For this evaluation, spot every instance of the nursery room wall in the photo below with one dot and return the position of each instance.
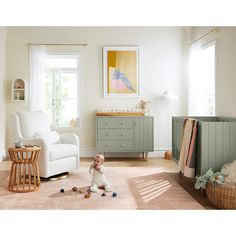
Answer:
(3, 34)
(226, 70)
(161, 63)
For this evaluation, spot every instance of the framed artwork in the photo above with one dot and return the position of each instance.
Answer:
(120, 71)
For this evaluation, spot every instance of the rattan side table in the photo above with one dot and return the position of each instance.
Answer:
(24, 176)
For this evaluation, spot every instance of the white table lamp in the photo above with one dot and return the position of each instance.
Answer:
(169, 96)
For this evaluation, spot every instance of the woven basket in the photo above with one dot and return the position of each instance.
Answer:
(222, 196)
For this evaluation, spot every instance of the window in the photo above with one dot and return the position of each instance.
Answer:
(62, 90)
(202, 81)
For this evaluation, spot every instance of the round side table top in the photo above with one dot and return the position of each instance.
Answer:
(26, 148)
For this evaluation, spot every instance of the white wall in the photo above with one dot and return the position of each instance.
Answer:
(227, 71)
(226, 68)
(2, 90)
(161, 68)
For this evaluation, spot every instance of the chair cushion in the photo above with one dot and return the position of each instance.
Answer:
(33, 121)
(59, 151)
(50, 137)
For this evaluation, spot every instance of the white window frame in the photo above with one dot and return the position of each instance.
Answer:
(78, 70)
(203, 46)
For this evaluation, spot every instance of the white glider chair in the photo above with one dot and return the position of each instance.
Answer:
(59, 154)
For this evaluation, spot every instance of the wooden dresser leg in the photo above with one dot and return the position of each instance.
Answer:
(143, 156)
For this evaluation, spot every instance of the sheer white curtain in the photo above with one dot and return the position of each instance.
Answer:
(202, 80)
(37, 73)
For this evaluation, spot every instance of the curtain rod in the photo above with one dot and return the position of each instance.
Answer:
(61, 44)
(203, 36)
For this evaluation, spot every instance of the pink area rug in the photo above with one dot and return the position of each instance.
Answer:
(136, 187)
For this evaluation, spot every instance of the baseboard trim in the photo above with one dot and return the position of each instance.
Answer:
(158, 152)
(3, 155)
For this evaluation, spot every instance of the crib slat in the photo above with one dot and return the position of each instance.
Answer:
(232, 141)
(212, 145)
(226, 142)
(219, 146)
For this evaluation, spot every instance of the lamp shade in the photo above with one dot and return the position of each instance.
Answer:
(169, 95)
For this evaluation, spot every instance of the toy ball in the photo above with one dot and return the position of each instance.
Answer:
(87, 195)
(103, 195)
(114, 194)
(74, 189)
(62, 190)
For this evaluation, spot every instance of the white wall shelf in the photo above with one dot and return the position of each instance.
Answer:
(19, 90)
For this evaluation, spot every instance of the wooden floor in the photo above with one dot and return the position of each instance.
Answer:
(166, 166)
(188, 185)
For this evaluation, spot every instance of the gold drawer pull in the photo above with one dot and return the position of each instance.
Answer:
(136, 122)
(122, 123)
(108, 144)
(122, 145)
(108, 123)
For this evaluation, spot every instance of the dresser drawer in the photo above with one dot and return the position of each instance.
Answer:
(104, 122)
(115, 133)
(115, 145)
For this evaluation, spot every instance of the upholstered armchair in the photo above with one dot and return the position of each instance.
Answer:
(60, 153)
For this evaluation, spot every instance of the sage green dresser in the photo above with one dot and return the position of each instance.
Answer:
(124, 134)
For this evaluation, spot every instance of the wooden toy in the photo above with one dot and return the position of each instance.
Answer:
(88, 195)
(74, 189)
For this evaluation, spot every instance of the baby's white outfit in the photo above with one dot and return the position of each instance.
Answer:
(98, 179)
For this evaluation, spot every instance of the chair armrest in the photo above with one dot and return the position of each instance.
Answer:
(70, 139)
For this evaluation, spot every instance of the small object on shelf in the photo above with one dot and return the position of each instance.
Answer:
(62, 190)
(17, 95)
(74, 189)
(103, 195)
(114, 194)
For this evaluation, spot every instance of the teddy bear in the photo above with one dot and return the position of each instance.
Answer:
(144, 106)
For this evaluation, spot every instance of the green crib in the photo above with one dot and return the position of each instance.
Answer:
(216, 141)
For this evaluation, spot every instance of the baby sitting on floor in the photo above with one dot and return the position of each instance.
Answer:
(98, 175)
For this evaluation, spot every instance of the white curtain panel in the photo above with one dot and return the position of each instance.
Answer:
(37, 74)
